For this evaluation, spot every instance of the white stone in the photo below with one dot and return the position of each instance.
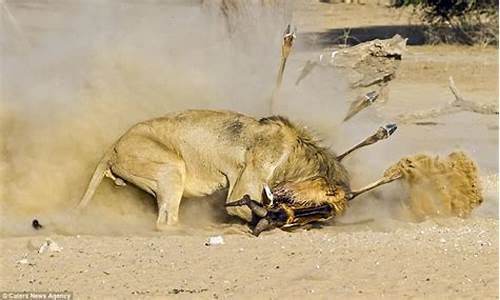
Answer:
(215, 240)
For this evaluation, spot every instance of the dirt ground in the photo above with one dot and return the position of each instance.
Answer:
(372, 252)
(446, 259)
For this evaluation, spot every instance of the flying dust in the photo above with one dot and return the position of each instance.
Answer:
(440, 187)
(76, 76)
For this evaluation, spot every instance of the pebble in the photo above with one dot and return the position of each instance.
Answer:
(214, 240)
(49, 246)
(23, 261)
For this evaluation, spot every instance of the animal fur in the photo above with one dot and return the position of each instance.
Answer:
(199, 152)
(311, 193)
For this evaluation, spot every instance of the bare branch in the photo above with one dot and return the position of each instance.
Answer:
(460, 101)
(457, 105)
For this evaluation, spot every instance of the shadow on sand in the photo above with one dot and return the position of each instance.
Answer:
(416, 34)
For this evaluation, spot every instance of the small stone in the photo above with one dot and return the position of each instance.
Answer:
(23, 261)
(49, 246)
(214, 240)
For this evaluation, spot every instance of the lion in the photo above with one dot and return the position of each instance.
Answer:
(200, 152)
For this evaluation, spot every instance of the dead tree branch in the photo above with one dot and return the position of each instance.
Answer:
(457, 105)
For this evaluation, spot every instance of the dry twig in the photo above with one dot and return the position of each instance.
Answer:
(457, 105)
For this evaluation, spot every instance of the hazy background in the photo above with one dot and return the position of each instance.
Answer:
(76, 74)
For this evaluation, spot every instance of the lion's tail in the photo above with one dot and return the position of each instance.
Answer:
(97, 177)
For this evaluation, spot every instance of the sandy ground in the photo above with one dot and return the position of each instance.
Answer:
(439, 259)
(370, 253)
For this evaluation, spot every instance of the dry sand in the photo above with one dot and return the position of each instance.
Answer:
(56, 125)
(438, 259)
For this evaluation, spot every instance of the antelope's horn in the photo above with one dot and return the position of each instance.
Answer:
(254, 206)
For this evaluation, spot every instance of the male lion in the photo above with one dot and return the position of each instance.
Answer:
(198, 152)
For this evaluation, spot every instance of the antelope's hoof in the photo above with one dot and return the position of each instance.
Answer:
(390, 128)
(371, 96)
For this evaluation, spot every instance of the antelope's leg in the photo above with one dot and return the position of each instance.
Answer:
(382, 133)
(361, 102)
(254, 206)
(371, 186)
(286, 48)
(306, 70)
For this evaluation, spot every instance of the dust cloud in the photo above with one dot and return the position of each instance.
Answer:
(438, 186)
(76, 75)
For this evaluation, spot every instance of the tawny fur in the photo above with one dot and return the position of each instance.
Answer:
(313, 192)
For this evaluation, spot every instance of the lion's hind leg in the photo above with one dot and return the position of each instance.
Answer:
(165, 182)
(170, 189)
(155, 169)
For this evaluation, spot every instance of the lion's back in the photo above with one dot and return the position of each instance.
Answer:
(204, 139)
